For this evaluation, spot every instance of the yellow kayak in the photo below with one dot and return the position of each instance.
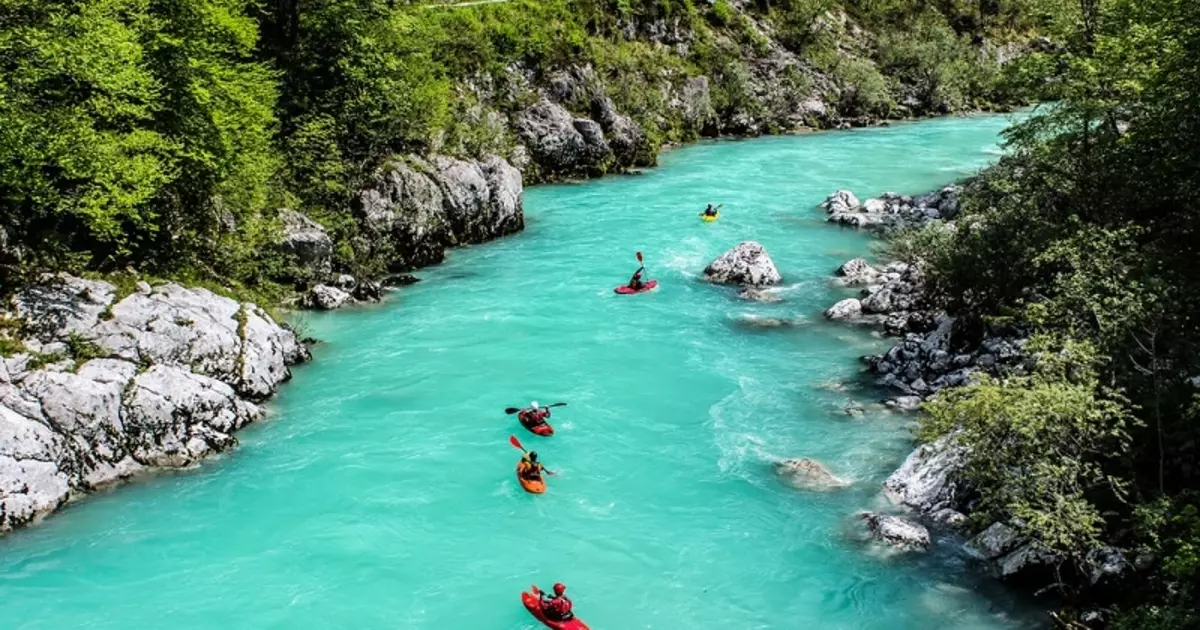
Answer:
(709, 219)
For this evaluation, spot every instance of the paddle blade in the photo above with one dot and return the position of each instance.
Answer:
(558, 405)
(512, 439)
(639, 256)
(511, 410)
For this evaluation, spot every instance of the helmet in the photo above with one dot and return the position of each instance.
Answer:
(560, 588)
(533, 456)
(534, 404)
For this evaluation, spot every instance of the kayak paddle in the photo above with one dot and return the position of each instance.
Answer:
(512, 439)
(511, 410)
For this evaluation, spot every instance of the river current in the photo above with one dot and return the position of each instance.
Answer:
(380, 493)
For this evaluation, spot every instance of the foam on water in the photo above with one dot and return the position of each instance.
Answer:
(381, 492)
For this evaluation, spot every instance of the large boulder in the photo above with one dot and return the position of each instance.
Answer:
(562, 144)
(482, 199)
(746, 264)
(848, 308)
(325, 298)
(929, 480)
(842, 201)
(896, 531)
(308, 241)
(808, 474)
(857, 272)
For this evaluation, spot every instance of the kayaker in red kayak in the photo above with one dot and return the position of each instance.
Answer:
(558, 607)
(533, 415)
(635, 283)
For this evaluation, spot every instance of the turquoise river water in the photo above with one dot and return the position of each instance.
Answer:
(380, 493)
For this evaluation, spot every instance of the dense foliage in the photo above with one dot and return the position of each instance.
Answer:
(164, 134)
(1088, 232)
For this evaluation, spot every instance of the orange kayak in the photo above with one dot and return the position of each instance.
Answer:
(532, 486)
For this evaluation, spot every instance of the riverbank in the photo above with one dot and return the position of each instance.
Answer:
(938, 352)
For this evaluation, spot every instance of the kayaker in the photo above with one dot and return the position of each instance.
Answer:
(635, 282)
(530, 468)
(533, 415)
(710, 211)
(558, 607)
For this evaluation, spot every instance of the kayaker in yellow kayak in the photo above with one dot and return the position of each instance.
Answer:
(710, 211)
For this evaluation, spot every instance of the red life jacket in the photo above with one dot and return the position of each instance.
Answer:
(558, 608)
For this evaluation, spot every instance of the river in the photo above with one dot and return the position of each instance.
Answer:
(381, 494)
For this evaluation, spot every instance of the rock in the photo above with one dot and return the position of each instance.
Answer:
(404, 214)
(995, 541)
(626, 139)
(808, 474)
(560, 144)
(1105, 563)
(367, 291)
(308, 241)
(401, 280)
(928, 480)
(417, 207)
(753, 294)
(905, 403)
(325, 298)
(482, 200)
(857, 272)
(696, 104)
(175, 417)
(1029, 558)
(845, 309)
(896, 531)
(180, 369)
(842, 201)
(62, 303)
(745, 264)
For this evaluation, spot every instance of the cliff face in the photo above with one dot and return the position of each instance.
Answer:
(104, 388)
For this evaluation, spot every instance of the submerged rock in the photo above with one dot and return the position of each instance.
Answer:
(808, 474)
(745, 264)
(161, 378)
(896, 531)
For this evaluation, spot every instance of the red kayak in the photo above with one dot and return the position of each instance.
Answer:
(533, 603)
(625, 290)
(542, 428)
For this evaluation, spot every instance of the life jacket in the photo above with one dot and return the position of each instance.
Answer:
(528, 469)
(558, 608)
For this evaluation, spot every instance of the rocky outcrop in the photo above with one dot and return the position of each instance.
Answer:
(808, 474)
(896, 531)
(561, 144)
(746, 264)
(929, 481)
(891, 211)
(923, 365)
(417, 208)
(108, 388)
(308, 242)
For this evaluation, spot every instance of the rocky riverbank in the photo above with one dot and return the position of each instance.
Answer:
(97, 387)
(935, 351)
